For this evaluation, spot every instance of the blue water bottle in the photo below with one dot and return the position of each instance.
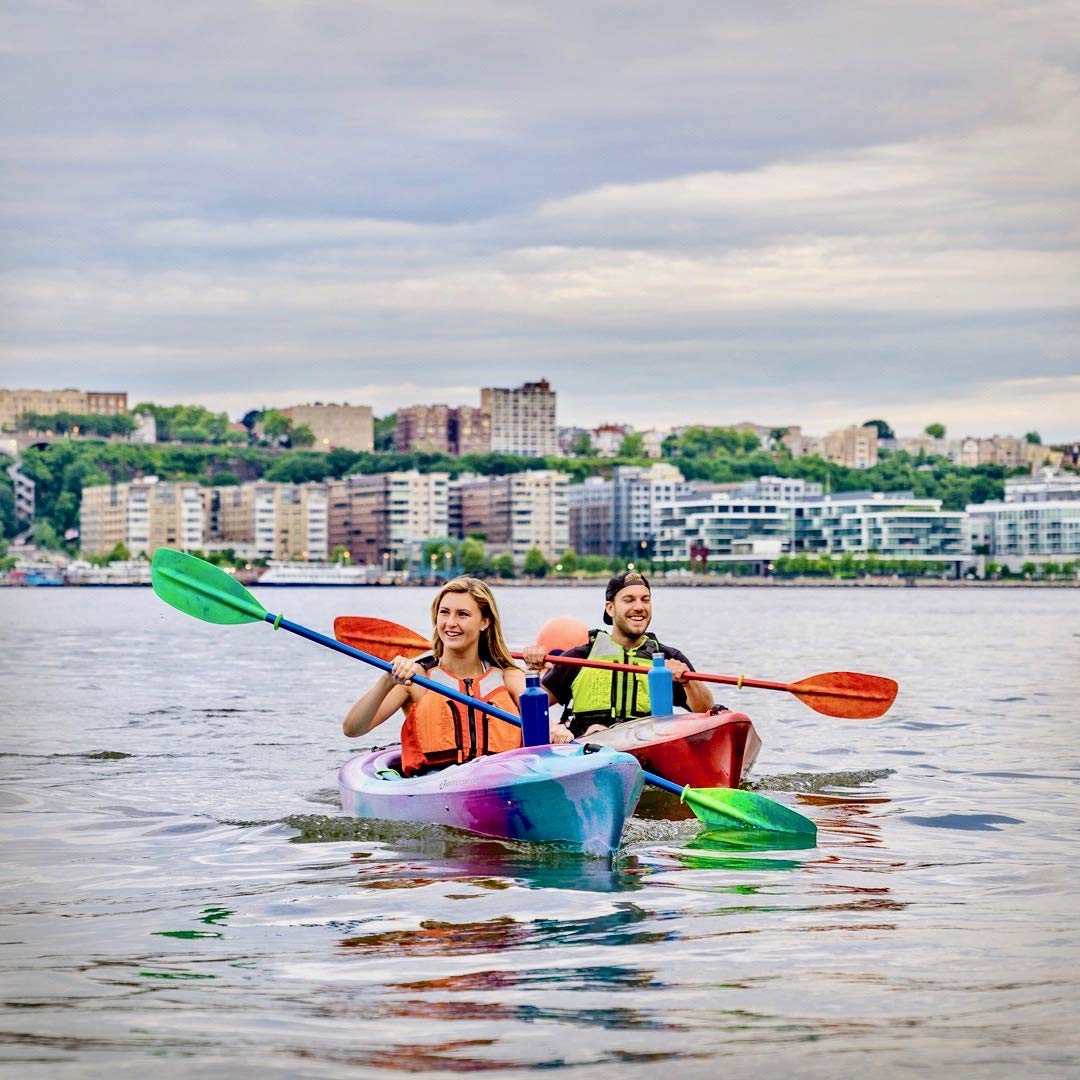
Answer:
(534, 712)
(661, 691)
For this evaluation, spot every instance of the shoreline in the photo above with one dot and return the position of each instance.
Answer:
(593, 583)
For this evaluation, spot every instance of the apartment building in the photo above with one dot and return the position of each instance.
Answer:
(380, 518)
(1013, 533)
(513, 513)
(637, 493)
(142, 515)
(853, 447)
(267, 520)
(344, 427)
(895, 525)
(1004, 450)
(423, 428)
(13, 403)
(522, 419)
(720, 527)
(589, 508)
(1047, 485)
(442, 429)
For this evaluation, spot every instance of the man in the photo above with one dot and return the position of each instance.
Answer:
(597, 698)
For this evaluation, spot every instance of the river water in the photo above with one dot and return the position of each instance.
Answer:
(182, 896)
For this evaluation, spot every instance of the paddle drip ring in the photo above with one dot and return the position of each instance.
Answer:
(277, 621)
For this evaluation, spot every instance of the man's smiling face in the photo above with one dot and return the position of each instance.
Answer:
(631, 611)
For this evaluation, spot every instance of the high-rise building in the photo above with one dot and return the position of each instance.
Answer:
(522, 419)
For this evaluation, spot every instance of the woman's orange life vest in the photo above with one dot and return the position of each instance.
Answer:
(438, 731)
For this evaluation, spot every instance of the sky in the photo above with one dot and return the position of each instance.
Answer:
(676, 213)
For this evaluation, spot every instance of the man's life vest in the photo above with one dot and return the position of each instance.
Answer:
(439, 731)
(607, 697)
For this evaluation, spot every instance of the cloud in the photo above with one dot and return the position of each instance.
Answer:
(801, 215)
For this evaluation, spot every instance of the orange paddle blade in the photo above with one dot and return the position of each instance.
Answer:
(379, 637)
(847, 694)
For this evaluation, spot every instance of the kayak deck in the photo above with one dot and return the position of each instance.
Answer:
(699, 749)
(568, 794)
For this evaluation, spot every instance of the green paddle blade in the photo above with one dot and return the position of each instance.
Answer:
(726, 808)
(200, 589)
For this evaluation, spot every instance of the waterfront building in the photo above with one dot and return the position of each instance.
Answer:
(779, 488)
(380, 518)
(143, 515)
(1012, 533)
(711, 529)
(522, 419)
(637, 493)
(853, 447)
(336, 427)
(589, 510)
(513, 513)
(894, 525)
(268, 520)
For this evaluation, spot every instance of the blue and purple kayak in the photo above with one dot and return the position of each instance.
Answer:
(567, 794)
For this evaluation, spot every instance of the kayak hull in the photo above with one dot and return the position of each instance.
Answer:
(699, 749)
(568, 794)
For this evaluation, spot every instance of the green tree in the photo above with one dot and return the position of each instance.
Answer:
(471, 556)
(301, 435)
(935, 431)
(276, 425)
(582, 446)
(385, 432)
(632, 445)
(536, 565)
(1034, 438)
(883, 429)
(45, 535)
(569, 562)
(503, 565)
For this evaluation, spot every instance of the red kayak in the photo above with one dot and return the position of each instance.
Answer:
(699, 749)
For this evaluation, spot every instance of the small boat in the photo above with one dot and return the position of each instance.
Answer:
(712, 749)
(572, 795)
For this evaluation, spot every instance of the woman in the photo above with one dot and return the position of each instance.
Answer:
(468, 655)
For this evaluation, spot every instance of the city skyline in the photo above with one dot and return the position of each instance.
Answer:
(765, 214)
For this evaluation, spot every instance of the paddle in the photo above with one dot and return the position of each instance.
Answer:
(845, 694)
(205, 592)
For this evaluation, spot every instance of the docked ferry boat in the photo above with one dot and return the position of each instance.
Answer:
(280, 572)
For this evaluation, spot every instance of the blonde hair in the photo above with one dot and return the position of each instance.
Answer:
(491, 645)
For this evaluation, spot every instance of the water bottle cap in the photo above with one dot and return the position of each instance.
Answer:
(532, 678)
(658, 659)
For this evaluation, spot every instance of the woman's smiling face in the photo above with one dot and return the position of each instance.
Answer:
(459, 622)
